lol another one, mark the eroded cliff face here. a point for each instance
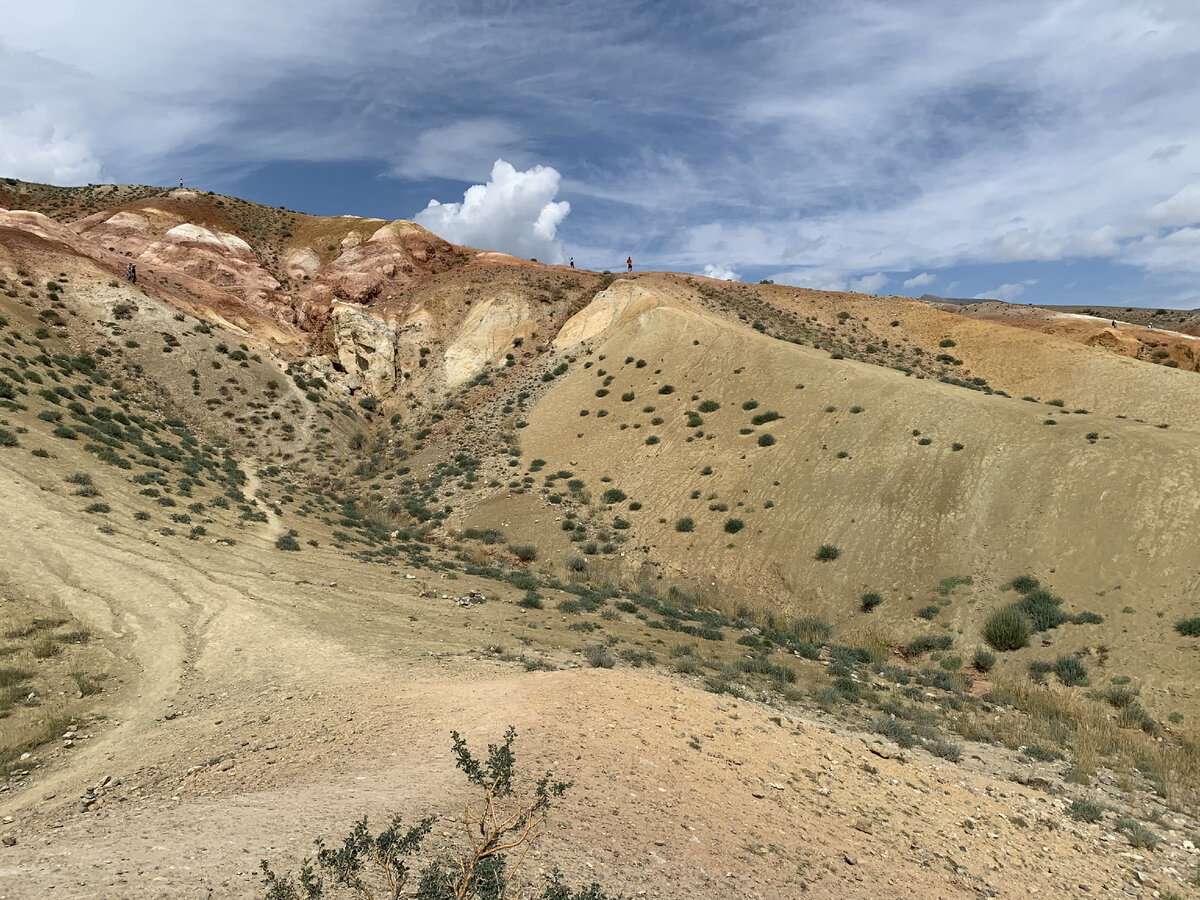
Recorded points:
(366, 350)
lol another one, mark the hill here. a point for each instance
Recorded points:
(314, 491)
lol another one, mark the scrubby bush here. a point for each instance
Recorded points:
(506, 818)
(1085, 811)
(983, 660)
(1006, 629)
(766, 440)
(1189, 627)
(1138, 834)
(893, 729)
(1071, 671)
(524, 552)
(870, 600)
(709, 406)
(828, 553)
(685, 524)
(613, 495)
(1042, 609)
(733, 526)
(598, 657)
(286, 542)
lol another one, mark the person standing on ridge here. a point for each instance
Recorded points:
(629, 264)
(132, 274)
(181, 182)
(572, 262)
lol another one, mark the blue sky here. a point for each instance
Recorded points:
(1033, 151)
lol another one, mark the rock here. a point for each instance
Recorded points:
(850, 860)
(226, 765)
(865, 826)
(8, 840)
(366, 348)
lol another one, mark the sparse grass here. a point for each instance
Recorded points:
(1138, 834)
(870, 600)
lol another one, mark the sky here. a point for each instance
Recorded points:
(1042, 151)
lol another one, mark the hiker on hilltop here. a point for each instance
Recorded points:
(629, 264)
(572, 262)
(1114, 323)
(181, 182)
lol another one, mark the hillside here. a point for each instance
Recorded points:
(316, 491)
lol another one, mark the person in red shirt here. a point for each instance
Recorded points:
(629, 264)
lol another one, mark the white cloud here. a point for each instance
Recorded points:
(515, 212)
(919, 281)
(462, 150)
(869, 284)
(1181, 208)
(816, 279)
(1006, 292)
(35, 147)
(721, 272)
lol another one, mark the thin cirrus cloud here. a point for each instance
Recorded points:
(866, 145)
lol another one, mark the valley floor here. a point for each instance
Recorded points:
(272, 698)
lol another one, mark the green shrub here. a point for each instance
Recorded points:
(828, 553)
(524, 552)
(870, 600)
(531, 600)
(7, 438)
(1085, 811)
(1189, 627)
(1039, 669)
(508, 817)
(765, 417)
(929, 612)
(1006, 629)
(286, 542)
(1042, 610)
(598, 657)
(667, 389)
(1071, 671)
(1138, 834)
(983, 660)
(893, 729)
(947, 750)
(685, 524)
(926, 643)
(733, 526)
(1023, 584)
(709, 406)
(766, 440)
(613, 495)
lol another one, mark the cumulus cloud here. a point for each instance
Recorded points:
(1006, 292)
(920, 281)
(35, 147)
(515, 212)
(869, 284)
(721, 272)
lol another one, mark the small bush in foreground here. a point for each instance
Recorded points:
(1189, 627)
(733, 526)
(766, 440)
(895, 730)
(1138, 834)
(870, 600)
(685, 524)
(503, 820)
(286, 542)
(828, 553)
